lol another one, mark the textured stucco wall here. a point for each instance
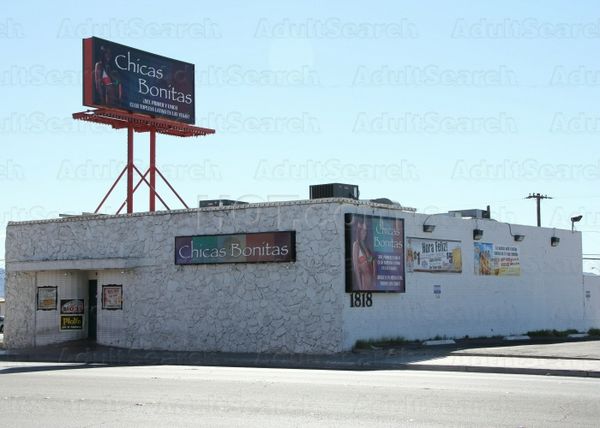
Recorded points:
(266, 307)
(289, 307)
(19, 323)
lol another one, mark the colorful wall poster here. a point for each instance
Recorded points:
(506, 260)
(46, 298)
(112, 297)
(498, 260)
(374, 254)
(433, 255)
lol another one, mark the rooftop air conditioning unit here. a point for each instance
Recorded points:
(334, 190)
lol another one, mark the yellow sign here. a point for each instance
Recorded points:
(71, 322)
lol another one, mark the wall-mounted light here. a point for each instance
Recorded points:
(428, 228)
(517, 237)
(575, 220)
(477, 234)
(554, 241)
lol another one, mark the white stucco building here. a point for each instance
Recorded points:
(116, 278)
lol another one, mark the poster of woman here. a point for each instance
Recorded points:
(374, 254)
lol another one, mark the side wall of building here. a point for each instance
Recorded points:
(548, 294)
(592, 301)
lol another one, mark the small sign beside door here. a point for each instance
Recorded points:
(112, 297)
(71, 322)
(71, 314)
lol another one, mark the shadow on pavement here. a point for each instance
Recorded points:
(408, 357)
(45, 368)
(86, 352)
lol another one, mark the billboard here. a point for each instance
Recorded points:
(374, 254)
(117, 76)
(236, 248)
(498, 260)
(433, 255)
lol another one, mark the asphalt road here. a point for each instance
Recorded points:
(66, 395)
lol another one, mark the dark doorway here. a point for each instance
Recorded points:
(92, 308)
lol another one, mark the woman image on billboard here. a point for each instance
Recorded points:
(108, 88)
(363, 262)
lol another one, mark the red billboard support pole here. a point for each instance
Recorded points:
(129, 169)
(135, 122)
(152, 169)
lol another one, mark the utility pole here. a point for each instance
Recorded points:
(538, 197)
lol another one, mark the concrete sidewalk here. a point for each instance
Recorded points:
(581, 358)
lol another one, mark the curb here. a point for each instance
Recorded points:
(307, 364)
(545, 357)
(504, 370)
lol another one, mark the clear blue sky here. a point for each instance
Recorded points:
(438, 105)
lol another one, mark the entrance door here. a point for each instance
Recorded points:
(92, 308)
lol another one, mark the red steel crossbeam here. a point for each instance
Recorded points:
(110, 190)
(133, 191)
(143, 177)
(140, 181)
(171, 187)
(135, 122)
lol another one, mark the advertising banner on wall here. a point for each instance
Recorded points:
(433, 255)
(374, 254)
(46, 298)
(71, 322)
(118, 76)
(236, 248)
(112, 297)
(498, 260)
(71, 314)
(71, 306)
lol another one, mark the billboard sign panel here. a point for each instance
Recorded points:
(498, 260)
(118, 76)
(433, 255)
(374, 254)
(236, 248)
